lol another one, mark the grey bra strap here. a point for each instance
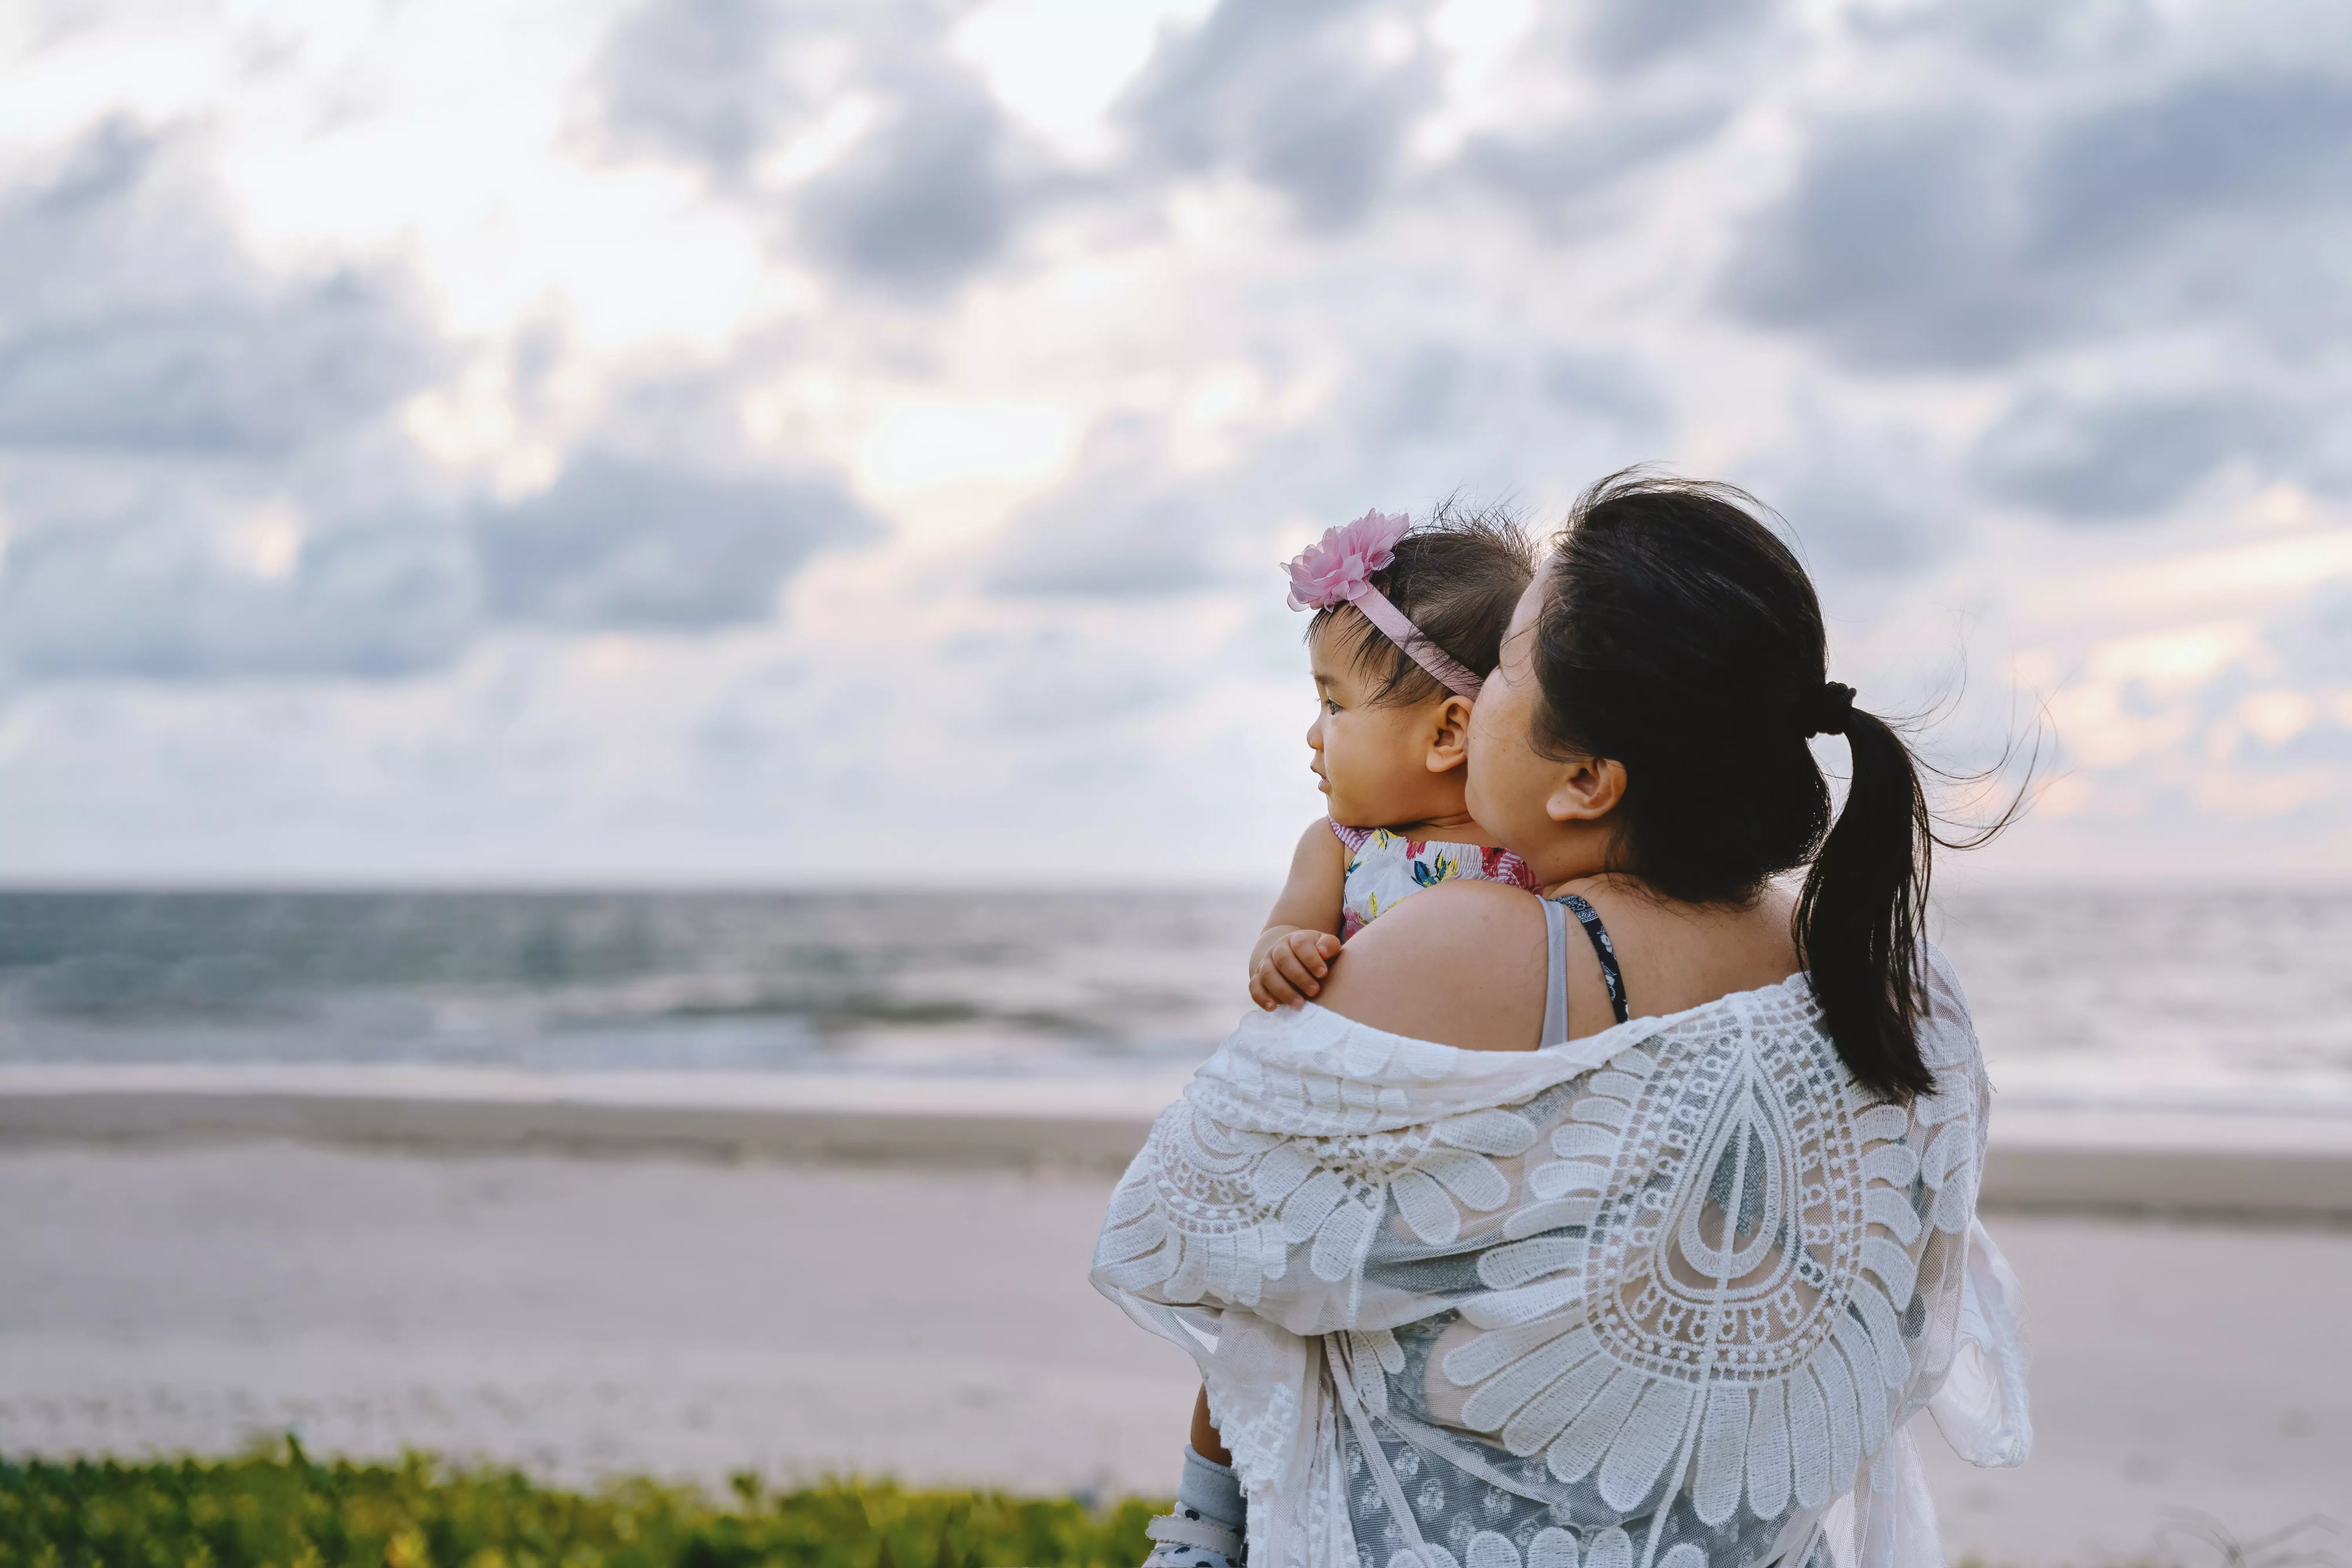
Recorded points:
(1555, 1028)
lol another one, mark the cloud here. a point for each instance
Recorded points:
(163, 393)
(1294, 95)
(84, 232)
(1606, 388)
(1122, 527)
(1867, 500)
(1544, 168)
(2127, 456)
(1896, 246)
(1443, 392)
(374, 600)
(2023, 34)
(132, 319)
(1601, 91)
(923, 201)
(696, 80)
(1968, 240)
(241, 379)
(613, 544)
(1850, 524)
(139, 326)
(1412, 423)
(621, 544)
(2316, 640)
(1633, 33)
(2229, 142)
(925, 194)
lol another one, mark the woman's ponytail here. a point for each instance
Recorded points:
(1865, 900)
(1681, 637)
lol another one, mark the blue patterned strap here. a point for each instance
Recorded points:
(1589, 918)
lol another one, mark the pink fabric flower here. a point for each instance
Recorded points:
(1331, 569)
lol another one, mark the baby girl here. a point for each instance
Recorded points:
(1407, 624)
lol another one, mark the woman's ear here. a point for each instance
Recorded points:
(1449, 739)
(1587, 789)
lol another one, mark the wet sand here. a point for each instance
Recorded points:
(587, 1317)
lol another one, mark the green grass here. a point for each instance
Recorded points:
(281, 1510)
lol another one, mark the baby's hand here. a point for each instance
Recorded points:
(1291, 969)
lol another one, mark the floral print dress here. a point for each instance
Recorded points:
(1385, 867)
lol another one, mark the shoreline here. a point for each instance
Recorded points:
(2277, 1163)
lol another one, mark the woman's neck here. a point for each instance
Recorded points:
(1577, 881)
(1453, 827)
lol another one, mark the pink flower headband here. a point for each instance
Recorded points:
(1338, 569)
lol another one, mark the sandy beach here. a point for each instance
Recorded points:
(586, 1317)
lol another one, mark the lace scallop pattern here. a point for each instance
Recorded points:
(1676, 1284)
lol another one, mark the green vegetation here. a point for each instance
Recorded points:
(281, 1510)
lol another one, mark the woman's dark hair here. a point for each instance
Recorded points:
(1457, 576)
(1680, 638)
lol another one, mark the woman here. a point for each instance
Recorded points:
(1634, 1250)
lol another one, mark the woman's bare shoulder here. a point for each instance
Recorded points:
(1460, 964)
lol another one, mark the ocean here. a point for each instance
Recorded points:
(2241, 998)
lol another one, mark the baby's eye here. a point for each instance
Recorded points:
(1329, 706)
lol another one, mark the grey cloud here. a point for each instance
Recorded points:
(1121, 527)
(617, 542)
(694, 80)
(2237, 142)
(130, 319)
(2326, 460)
(1419, 423)
(155, 380)
(236, 378)
(1547, 167)
(1967, 240)
(1630, 33)
(2023, 35)
(1602, 387)
(2315, 639)
(1897, 247)
(1422, 421)
(2129, 457)
(1102, 541)
(1861, 500)
(1439, 392)
(921, 202)
(614, 544)
(1630, 112)
(85, 233)
(1288, 95)
(1862, 527)
(377, 600)
(1432, 394)
(927, 196)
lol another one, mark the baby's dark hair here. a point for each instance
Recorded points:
(1457, 576)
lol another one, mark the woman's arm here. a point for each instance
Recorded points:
(1462, 963)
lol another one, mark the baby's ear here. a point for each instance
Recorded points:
(1449, 735)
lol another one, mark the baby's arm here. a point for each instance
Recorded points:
(1302, 935)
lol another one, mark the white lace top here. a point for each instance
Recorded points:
(1665, 1297)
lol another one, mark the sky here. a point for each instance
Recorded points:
(700, 441)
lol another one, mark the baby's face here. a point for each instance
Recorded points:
(1374, 761)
